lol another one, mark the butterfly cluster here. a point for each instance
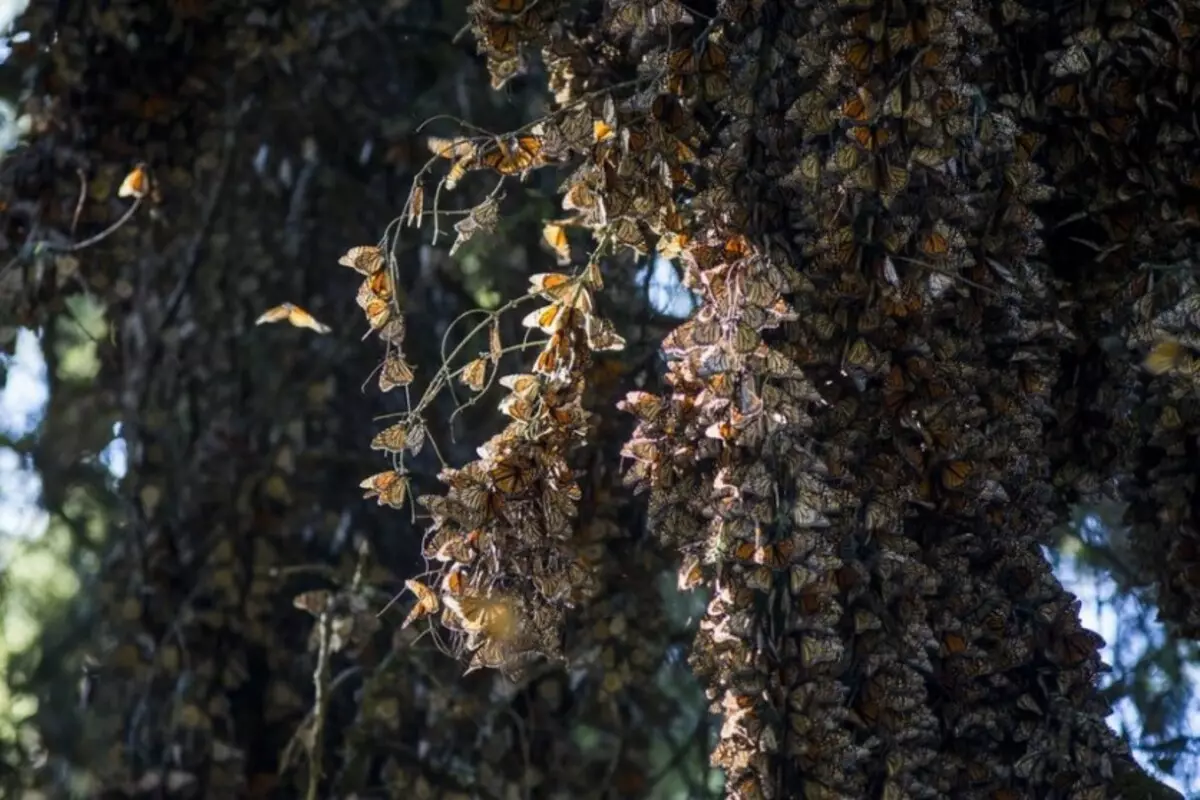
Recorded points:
(1119, 87)
(849, 455)
(858, 225)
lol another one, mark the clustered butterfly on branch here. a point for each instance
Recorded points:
(507, 516)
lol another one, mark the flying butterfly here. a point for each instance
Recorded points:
(295, 315)
(463, 152)
(555, 235)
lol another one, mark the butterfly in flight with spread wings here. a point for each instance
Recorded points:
(295, 315)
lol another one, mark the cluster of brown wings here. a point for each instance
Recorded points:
(841, 457)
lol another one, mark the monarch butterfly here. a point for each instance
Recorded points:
(378, 311)
(549, 319)
(392, 438)
(1164, 357)
(845, 158)
(455, 581)
(393, 331)
(427, 602)
(390, 487)
(627, 232)
(627, 18)
(416, 206)
(746, 338)
(1063, 96)
(500, 38)
(313, 602)
(645, 406)
(1114, 128)
(365, 259)
(502, 70)
(494, 617)
(512, 155)
(869, 138)
(813, 651)
(601, 336)
(380, 285)
(935, 244)
(136, 184)
(812, 109)
(860, 355)
(508, 6)
(691, 574)
(452, 149)
(858, 55)
(682, 61)
(579, 197)
(523, 385)
(1077, 647)
(449, 545)
(954, 644)
(396, 372)
(513, 475)
(295, 315)
(1027, 144)
(517, 408)
(495, 346)
(555, 235)
(1072, 61)
(559, 288)
(954, 474)
(859, 107)
(474, 374)
(932, 58)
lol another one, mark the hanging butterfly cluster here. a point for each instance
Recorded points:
(850, 456)
(1119, 90)
(506, 31)
(1166, 324)
(504, 530)
(857, 223)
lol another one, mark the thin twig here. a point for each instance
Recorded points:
(82, 197)
(320, 701)
(99, 237)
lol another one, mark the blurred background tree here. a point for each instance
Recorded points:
(174, 476)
